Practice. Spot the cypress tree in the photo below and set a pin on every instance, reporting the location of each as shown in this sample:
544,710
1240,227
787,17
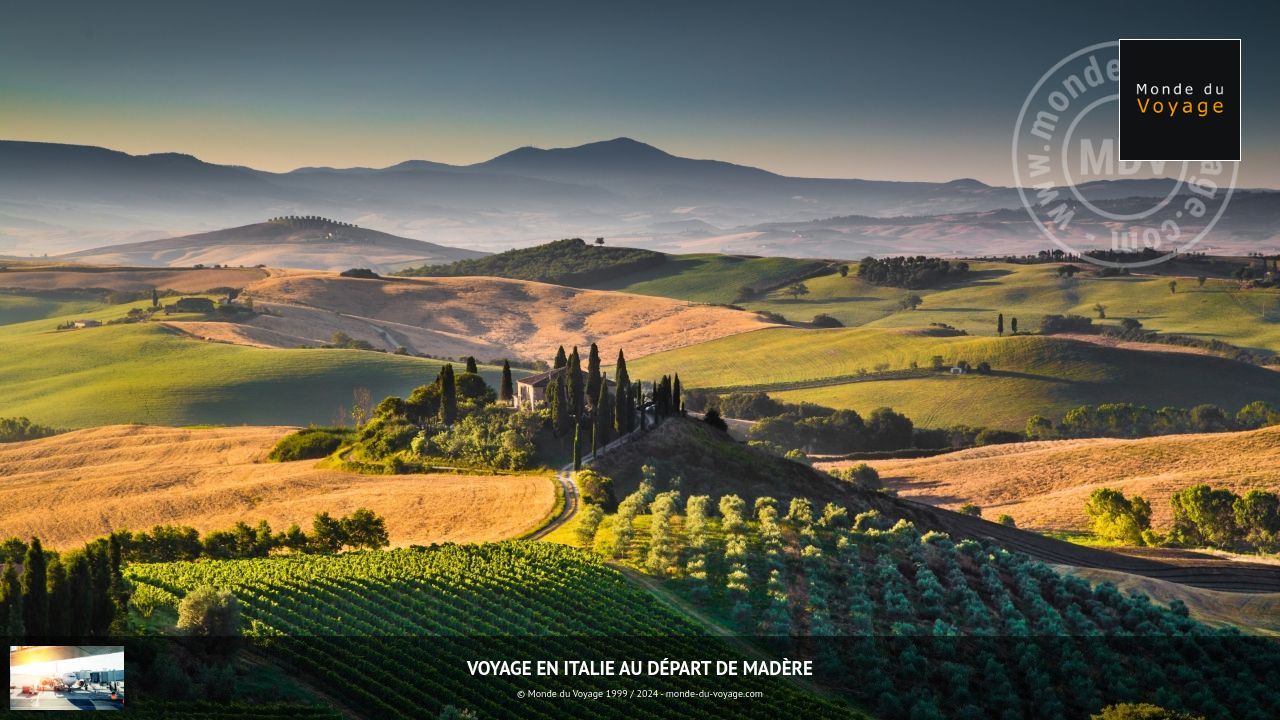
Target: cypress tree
80,590
35,590
115,560
11,601
448,395
155,298
471,365
102,604
593,373
1013,326
577,446
637,403
604,419
576,386
677,400
59,597
558,405
561,361
622,406
505,390
1000,324
644,417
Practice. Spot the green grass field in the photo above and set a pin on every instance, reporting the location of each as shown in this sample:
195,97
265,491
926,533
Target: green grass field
150,373
23,308
710,278
1248,318
1031,374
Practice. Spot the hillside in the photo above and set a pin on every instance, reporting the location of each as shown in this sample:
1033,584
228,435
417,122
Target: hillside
489,318
712,278
312,244
1031,374
709,462
71,488
152,373
1044,485
564,262
77,278
1220,308
909,621
405,624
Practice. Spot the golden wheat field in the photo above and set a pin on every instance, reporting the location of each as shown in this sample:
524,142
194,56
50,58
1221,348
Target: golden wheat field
1044,485
481,316
73,487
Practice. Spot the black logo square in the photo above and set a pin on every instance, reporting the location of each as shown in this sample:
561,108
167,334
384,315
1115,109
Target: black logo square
1180,100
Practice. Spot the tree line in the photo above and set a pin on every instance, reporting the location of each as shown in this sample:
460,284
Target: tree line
79,593
1203,516
362,529
563,262
913,272
17,429
1127,420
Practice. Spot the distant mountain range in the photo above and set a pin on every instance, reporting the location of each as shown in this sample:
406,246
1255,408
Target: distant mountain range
315,244
64,198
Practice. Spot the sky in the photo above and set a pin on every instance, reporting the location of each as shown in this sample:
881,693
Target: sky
897,91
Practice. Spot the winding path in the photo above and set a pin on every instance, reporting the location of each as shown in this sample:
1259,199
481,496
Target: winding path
565,478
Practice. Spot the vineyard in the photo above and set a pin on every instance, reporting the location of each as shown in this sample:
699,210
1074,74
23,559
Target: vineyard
390,632
189,710
917,626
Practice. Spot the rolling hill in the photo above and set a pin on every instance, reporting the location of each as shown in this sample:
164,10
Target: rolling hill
709,462
1031,374
487,317
311,244
74,487
1221,308
704,277
152,373
1044,485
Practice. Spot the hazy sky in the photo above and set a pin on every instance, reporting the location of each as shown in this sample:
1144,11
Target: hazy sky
877,90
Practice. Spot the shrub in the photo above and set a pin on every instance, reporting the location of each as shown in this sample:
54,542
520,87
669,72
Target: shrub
862,475
992,436
970,509
1051,324
309,444
1006,520
594,488
823,320
209,612
712,418
1115,517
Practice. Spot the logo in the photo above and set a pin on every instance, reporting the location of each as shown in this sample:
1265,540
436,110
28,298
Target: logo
1082,196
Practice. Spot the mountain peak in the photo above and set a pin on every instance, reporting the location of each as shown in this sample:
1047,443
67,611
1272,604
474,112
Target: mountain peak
621,148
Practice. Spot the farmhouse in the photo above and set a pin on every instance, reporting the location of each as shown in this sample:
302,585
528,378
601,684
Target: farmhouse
191,304
87,323
531,390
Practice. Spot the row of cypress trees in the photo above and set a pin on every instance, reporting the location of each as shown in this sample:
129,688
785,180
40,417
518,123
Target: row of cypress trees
77,594
581,401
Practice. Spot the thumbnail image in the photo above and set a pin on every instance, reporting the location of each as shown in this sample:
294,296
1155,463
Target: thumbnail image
66,677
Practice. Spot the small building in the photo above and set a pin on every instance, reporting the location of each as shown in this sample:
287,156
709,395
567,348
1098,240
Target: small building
88,323
193,304
958,370
531,390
